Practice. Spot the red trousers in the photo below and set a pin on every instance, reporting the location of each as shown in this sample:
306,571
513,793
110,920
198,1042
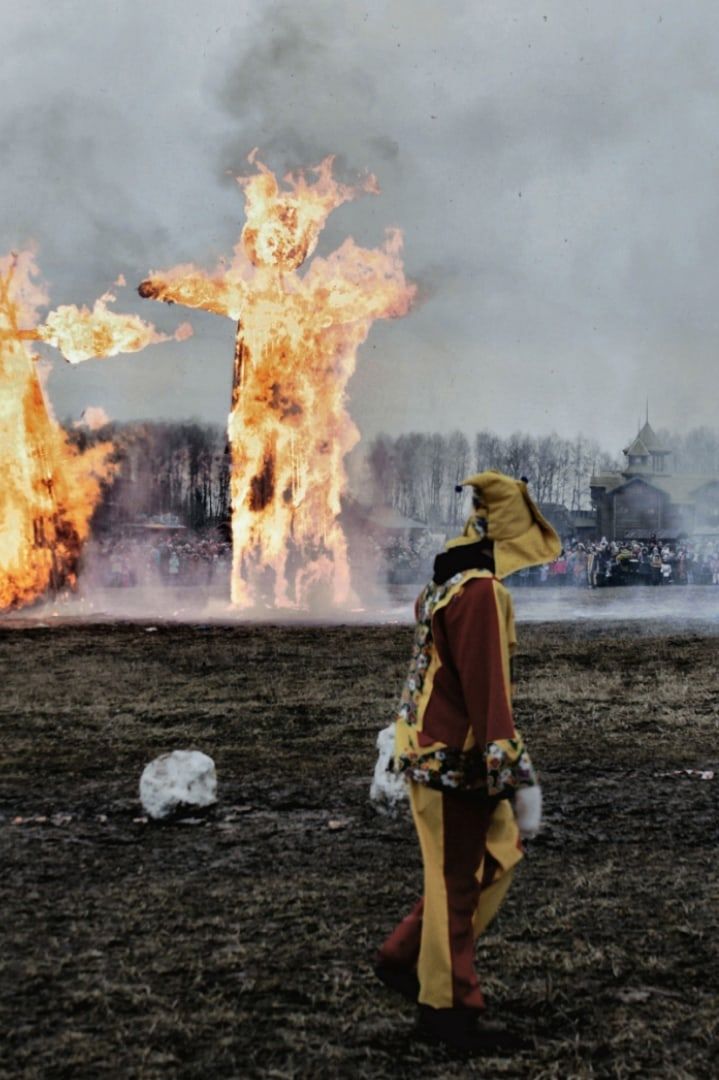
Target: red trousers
437,937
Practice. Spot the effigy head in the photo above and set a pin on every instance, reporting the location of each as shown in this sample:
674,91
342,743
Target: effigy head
282,226
282,237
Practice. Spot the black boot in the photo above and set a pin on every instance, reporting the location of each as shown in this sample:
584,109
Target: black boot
461,1029
404,982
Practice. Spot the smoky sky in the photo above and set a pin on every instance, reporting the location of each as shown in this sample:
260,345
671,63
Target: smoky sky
553,167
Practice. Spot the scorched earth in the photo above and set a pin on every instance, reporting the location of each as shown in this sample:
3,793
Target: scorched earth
240,945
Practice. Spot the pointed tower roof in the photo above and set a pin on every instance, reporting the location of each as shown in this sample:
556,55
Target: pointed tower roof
637,449
651,441
646,443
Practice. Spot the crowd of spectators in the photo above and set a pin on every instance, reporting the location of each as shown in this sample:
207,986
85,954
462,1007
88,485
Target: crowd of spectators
172,559
187,559
629,562
585,564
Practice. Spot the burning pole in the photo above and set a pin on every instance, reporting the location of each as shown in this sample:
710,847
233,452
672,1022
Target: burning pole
49,488
295,350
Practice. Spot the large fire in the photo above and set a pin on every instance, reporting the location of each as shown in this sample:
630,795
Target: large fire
295,350
49,488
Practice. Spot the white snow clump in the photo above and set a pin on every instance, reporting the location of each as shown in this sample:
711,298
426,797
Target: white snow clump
184,777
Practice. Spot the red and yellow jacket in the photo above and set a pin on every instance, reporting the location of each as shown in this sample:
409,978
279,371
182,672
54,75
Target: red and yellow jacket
454,726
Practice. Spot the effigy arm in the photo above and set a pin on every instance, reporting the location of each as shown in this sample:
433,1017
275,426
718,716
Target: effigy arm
193,288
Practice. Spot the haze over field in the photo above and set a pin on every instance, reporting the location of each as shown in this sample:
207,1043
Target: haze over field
552,166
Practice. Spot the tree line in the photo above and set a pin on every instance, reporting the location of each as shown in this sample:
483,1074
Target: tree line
183,469
693,452
165,468
416,473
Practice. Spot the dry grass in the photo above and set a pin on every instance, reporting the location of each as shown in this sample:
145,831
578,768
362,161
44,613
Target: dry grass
241,947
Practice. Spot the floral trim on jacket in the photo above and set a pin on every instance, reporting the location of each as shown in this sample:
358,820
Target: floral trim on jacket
509,766
499,768
422,649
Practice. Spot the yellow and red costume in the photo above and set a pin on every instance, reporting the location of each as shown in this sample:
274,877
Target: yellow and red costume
456,743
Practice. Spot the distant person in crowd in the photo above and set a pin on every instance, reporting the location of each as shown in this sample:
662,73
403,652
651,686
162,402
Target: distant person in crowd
155,560
681,567
117,568
580,565
655,563
715,568
558,569
472,786
604,563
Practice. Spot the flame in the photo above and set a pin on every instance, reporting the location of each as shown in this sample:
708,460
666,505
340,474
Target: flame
49,487
81,334
295,352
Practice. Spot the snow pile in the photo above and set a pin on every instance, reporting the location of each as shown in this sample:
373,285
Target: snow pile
388,789
182,778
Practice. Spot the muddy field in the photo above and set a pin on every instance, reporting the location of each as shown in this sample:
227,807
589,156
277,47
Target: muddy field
240,946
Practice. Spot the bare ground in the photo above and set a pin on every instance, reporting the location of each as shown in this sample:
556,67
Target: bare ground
241,946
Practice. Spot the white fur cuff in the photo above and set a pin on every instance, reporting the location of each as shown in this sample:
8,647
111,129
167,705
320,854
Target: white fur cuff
388,789
528,809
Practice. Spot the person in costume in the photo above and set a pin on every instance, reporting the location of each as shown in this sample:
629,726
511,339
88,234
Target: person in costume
472,787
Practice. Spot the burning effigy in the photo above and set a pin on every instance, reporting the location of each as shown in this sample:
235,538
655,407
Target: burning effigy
50,488
295,351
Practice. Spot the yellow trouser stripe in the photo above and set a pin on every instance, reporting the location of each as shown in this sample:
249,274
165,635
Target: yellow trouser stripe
490,901
502,845
434,967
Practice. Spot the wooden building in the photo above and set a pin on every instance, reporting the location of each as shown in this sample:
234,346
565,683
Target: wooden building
645,500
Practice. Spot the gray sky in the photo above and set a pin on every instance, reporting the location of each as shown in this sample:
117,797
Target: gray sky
554,167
